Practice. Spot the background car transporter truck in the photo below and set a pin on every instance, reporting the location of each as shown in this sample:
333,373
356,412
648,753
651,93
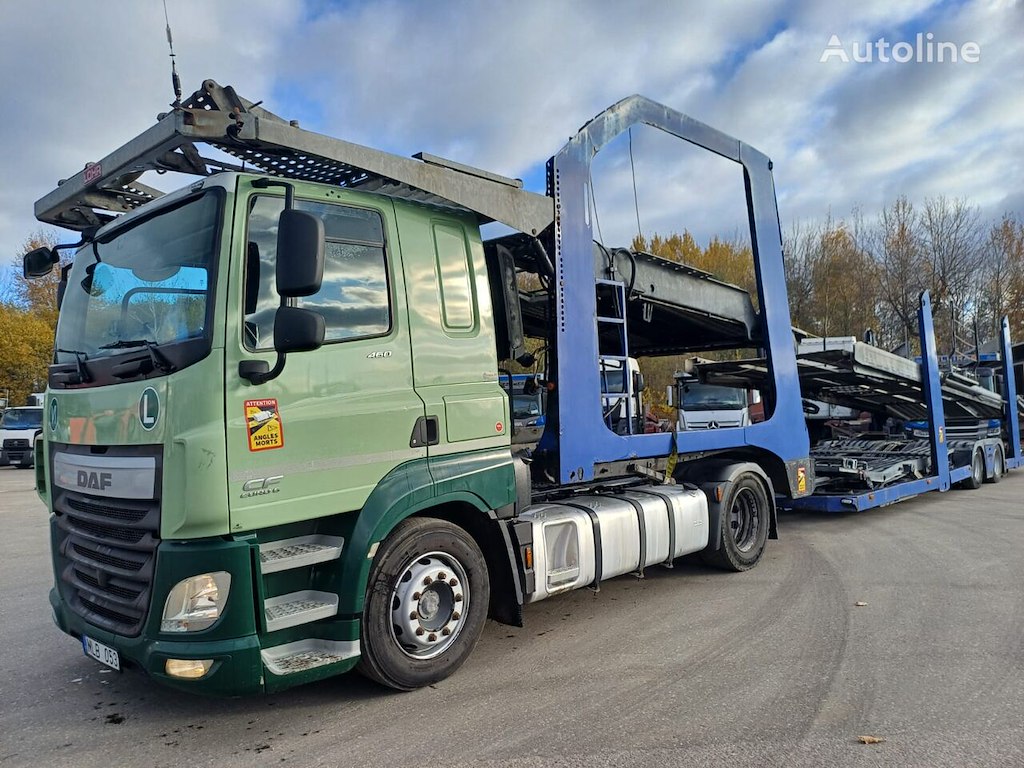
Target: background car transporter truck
276,445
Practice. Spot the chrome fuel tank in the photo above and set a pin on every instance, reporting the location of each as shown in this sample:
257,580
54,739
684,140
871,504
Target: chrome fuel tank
584,540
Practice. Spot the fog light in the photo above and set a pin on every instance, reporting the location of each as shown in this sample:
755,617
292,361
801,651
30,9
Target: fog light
189,668
196,603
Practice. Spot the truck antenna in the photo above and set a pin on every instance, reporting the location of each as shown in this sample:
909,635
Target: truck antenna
175,80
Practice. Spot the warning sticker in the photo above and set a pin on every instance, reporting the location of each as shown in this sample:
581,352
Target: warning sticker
263,420
801,480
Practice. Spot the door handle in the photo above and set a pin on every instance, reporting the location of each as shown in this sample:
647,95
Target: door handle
425,432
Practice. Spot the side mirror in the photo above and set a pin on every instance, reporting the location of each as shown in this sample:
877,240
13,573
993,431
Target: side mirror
638,382
300,254
298,330
39,262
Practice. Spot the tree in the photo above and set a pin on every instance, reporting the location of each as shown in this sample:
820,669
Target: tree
26,348
36,295
1002,288
28,318
897,245
952,239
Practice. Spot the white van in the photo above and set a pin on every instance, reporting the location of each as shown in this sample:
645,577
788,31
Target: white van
18,431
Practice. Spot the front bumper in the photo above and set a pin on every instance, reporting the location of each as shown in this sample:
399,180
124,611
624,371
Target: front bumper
237,668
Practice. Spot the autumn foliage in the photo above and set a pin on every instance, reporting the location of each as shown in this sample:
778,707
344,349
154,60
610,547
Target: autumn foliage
28,318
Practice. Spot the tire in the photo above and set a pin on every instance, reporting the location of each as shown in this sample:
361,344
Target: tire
414,636
977,476
998,466
743,528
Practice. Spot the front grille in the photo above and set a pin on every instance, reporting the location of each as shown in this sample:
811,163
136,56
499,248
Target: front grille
16,443
107,510
122,563
113,532
106,555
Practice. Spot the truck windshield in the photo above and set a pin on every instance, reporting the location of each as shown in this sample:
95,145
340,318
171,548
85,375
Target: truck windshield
707,397
22,418
143,285
525,406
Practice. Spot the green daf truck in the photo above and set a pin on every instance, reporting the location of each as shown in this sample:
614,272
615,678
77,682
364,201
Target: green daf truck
276,445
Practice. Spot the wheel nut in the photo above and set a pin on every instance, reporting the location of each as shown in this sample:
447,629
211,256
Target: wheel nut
453,582
412,615
446,631
458,598
426,581
432,638
419,631
442,575
456,616
415,595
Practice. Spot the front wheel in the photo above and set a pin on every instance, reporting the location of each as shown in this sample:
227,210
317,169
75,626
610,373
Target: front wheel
426,604
743,526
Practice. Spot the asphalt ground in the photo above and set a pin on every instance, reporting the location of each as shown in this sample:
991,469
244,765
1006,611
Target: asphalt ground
780,666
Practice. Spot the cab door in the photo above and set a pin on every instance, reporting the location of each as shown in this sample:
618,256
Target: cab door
455,367
317,439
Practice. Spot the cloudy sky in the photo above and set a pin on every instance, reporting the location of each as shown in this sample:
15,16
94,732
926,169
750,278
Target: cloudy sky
502,85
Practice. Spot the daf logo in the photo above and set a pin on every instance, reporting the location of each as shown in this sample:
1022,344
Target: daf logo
713,425
98,481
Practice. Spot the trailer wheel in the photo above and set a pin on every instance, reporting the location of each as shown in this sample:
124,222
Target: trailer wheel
998,466
743,528
426,604
977,476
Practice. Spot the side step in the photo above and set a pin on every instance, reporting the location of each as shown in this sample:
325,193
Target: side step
307,654
298,552
298,608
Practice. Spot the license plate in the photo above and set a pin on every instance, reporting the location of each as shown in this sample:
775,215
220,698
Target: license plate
102,653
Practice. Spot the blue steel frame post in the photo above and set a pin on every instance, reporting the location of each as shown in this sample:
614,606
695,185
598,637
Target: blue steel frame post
583,439
932,386
1013,459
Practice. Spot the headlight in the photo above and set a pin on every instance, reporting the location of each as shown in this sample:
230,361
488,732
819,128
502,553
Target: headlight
921,433
196,603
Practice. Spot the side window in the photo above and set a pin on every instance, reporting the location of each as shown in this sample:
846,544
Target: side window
458,308
354,298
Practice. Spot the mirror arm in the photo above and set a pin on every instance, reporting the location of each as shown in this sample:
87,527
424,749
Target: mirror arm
256,371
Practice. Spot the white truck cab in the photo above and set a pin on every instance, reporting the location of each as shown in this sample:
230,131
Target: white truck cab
18,431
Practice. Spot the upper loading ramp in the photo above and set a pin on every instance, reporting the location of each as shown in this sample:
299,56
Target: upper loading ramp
263,142
847,372
672,308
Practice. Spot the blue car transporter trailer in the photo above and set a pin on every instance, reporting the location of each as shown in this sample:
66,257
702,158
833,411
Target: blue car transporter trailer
942,475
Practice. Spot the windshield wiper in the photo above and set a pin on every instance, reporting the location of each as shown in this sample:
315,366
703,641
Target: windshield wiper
80,369
159,359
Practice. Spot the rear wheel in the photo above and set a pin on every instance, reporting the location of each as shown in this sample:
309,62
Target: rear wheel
426,604
977,476
743,526
998,466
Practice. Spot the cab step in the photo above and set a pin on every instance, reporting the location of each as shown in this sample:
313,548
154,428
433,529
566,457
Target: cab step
307,654
299,551
298,608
